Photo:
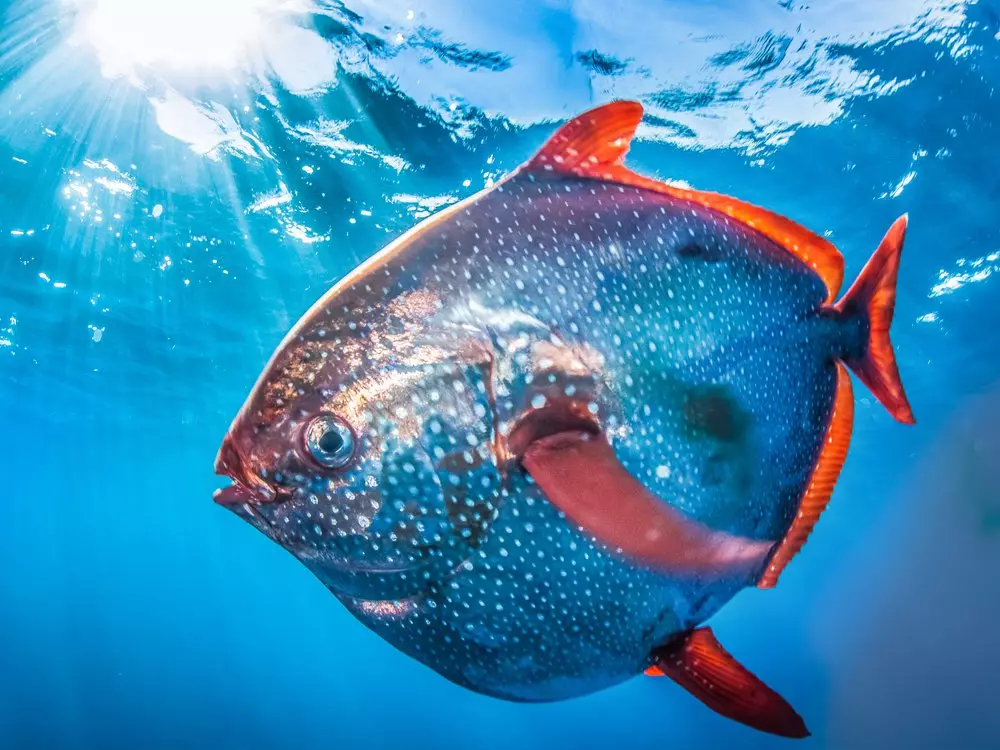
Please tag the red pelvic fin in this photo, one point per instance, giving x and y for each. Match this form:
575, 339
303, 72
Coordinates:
700, 665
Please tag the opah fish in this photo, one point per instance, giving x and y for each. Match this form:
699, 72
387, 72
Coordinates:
542, 437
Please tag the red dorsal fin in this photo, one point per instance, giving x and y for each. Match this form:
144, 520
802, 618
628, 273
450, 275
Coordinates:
825, 475
594, 145
700, 665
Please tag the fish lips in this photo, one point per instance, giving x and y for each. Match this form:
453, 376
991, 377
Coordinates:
234, 494
247, 487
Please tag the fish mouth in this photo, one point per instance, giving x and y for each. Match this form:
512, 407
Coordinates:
247, 488
234, 494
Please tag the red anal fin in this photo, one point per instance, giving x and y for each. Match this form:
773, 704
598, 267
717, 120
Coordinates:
581, 475
700, 665
594, 145
824, 478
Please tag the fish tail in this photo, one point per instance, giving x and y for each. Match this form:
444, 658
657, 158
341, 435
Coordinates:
872, 300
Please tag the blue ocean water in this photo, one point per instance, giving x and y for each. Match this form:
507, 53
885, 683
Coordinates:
181, 180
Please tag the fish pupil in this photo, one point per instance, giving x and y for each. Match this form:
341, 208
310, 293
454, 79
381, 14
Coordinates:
331, 441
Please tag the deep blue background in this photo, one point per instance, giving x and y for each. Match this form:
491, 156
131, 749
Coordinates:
136, 613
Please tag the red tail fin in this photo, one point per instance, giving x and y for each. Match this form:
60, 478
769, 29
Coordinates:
873, 296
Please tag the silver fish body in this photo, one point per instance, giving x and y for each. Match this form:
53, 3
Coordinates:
696, 345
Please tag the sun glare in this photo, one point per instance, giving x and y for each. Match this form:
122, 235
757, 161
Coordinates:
182, 35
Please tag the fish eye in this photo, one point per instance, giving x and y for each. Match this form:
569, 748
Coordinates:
330, 442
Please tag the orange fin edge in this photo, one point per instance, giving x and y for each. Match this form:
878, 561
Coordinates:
700, 665
812, 250
594, 144
821, 484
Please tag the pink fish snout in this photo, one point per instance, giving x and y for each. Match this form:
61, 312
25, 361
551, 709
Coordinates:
247, 487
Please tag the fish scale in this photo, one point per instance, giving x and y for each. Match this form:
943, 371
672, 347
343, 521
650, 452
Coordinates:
584, 410
657, 362
569, 610
595, 577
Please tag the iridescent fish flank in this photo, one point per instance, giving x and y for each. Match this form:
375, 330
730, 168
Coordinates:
537, 441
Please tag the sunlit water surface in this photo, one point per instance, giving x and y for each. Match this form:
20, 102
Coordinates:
181, 180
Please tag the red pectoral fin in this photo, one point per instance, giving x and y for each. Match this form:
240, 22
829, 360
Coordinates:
580, 474
700, 665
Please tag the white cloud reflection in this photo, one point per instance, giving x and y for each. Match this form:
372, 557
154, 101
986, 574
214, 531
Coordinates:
731, 73
719, 74
967, 272
207, 128
727, 74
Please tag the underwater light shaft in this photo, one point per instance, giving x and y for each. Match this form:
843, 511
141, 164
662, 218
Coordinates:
192, 35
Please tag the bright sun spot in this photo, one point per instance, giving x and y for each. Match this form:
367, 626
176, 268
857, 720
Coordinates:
186, 35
